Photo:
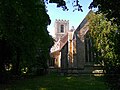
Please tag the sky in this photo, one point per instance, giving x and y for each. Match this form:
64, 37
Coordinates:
75, 18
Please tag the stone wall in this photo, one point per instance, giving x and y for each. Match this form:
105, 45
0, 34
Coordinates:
64, 56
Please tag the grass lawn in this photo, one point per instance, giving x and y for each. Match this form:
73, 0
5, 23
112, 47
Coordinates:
56, 82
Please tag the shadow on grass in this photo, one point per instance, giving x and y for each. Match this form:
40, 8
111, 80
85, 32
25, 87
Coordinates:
57, 82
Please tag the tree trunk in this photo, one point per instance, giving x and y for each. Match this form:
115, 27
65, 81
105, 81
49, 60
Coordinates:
17, 64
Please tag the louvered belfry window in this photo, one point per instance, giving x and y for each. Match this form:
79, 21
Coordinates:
62, 28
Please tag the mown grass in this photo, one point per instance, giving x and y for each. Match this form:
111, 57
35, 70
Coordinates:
55, 82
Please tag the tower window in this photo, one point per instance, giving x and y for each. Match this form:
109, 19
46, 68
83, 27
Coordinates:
62, 28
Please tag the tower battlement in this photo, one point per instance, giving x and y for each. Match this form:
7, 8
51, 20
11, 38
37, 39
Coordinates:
61, 20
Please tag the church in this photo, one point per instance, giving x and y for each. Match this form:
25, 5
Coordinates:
73, 48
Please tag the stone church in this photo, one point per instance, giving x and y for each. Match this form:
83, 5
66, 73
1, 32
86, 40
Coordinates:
72, 49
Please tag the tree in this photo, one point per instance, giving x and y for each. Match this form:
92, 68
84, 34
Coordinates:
112, 12
104, 35
23, 27
109, 8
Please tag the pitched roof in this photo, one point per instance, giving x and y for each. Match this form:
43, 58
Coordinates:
60, 44
84, 21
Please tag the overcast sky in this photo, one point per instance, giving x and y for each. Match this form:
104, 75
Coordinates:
74, 18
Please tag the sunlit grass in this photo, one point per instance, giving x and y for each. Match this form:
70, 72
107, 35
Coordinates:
56, 82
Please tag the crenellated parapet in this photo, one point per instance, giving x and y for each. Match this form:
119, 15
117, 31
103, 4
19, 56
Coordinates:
61, 20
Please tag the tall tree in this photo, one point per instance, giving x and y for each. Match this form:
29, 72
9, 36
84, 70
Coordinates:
104, 34
23, 26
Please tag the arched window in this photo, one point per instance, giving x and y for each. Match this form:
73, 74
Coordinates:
62, 28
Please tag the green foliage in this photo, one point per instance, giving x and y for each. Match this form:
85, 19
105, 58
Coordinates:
23, 26
105, 42
109, 8
102, 32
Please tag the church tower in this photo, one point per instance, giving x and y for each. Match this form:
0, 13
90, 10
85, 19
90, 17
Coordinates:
61, 28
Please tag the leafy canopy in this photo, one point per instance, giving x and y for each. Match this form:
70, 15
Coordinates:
23, 26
